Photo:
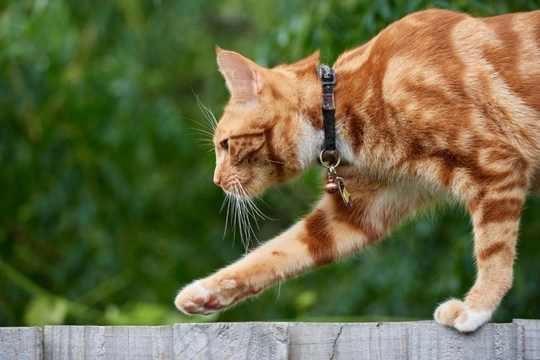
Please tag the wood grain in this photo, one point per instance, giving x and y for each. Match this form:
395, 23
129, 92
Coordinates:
21, 343
314, 341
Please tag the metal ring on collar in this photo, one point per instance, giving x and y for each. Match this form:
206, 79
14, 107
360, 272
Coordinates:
327, 164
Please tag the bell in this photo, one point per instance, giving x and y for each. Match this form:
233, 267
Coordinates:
331, 187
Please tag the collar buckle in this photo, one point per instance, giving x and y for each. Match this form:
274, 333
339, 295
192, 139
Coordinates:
326, 74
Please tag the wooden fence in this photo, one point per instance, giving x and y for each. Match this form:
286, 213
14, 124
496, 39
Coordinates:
410, 340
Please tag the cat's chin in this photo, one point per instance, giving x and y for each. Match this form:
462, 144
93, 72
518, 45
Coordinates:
243, 196
245, 192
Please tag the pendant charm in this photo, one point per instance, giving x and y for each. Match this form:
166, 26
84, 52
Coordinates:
330, 160
345, 196
331, 187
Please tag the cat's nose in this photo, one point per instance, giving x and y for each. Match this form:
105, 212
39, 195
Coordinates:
217, 181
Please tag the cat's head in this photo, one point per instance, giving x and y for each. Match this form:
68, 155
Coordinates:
258, 139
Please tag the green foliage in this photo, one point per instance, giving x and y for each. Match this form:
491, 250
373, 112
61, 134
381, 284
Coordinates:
107, 203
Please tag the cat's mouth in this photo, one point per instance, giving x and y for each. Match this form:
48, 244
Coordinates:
241, 188
245, 193
234, 193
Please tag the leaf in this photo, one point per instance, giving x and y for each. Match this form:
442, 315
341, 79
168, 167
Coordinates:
305, 300
46, 310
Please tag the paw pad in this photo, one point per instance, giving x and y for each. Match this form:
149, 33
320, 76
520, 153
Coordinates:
457, 314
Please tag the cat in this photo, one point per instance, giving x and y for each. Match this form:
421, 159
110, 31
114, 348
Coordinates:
439, 105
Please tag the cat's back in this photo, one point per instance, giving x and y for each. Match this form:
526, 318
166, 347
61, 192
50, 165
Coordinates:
449, 25
504, 48
486, 69
436, 34
444, 73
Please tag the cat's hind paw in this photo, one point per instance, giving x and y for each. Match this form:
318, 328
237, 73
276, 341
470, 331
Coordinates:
455, 313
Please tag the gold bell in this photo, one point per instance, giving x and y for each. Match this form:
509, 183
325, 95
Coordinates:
331, 186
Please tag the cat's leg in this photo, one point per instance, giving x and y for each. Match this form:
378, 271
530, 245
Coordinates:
495, 214
330, 232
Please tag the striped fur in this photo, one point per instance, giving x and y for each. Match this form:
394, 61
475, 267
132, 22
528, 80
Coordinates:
438, 105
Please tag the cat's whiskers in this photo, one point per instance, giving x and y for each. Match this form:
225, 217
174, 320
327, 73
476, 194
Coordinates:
234, 218
208, 114
227, 202
254, 210
242, 211
205, 139
206, 129
206, 132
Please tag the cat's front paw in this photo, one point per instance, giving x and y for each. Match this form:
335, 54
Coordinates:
457, 314
206, 296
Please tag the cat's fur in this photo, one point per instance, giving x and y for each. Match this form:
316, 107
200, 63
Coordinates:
438, 105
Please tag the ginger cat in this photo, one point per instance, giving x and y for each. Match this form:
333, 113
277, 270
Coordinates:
439, 105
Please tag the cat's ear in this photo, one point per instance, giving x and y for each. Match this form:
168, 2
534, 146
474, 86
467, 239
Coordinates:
243, 77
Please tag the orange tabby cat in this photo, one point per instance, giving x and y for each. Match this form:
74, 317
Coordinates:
437, 106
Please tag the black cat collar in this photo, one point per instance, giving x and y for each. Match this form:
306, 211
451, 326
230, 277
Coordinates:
329, 155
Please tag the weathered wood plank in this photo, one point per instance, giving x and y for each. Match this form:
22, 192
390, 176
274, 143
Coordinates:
313, 341
108, 342
21, 343
183, 341
231, 341
415, 340
531, 338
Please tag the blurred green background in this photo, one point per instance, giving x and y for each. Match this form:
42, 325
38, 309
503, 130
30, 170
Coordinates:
107, 205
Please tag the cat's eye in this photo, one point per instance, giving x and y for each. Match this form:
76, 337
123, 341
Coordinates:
225, 144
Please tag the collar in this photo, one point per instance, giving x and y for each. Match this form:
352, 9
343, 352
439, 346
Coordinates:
329, 155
